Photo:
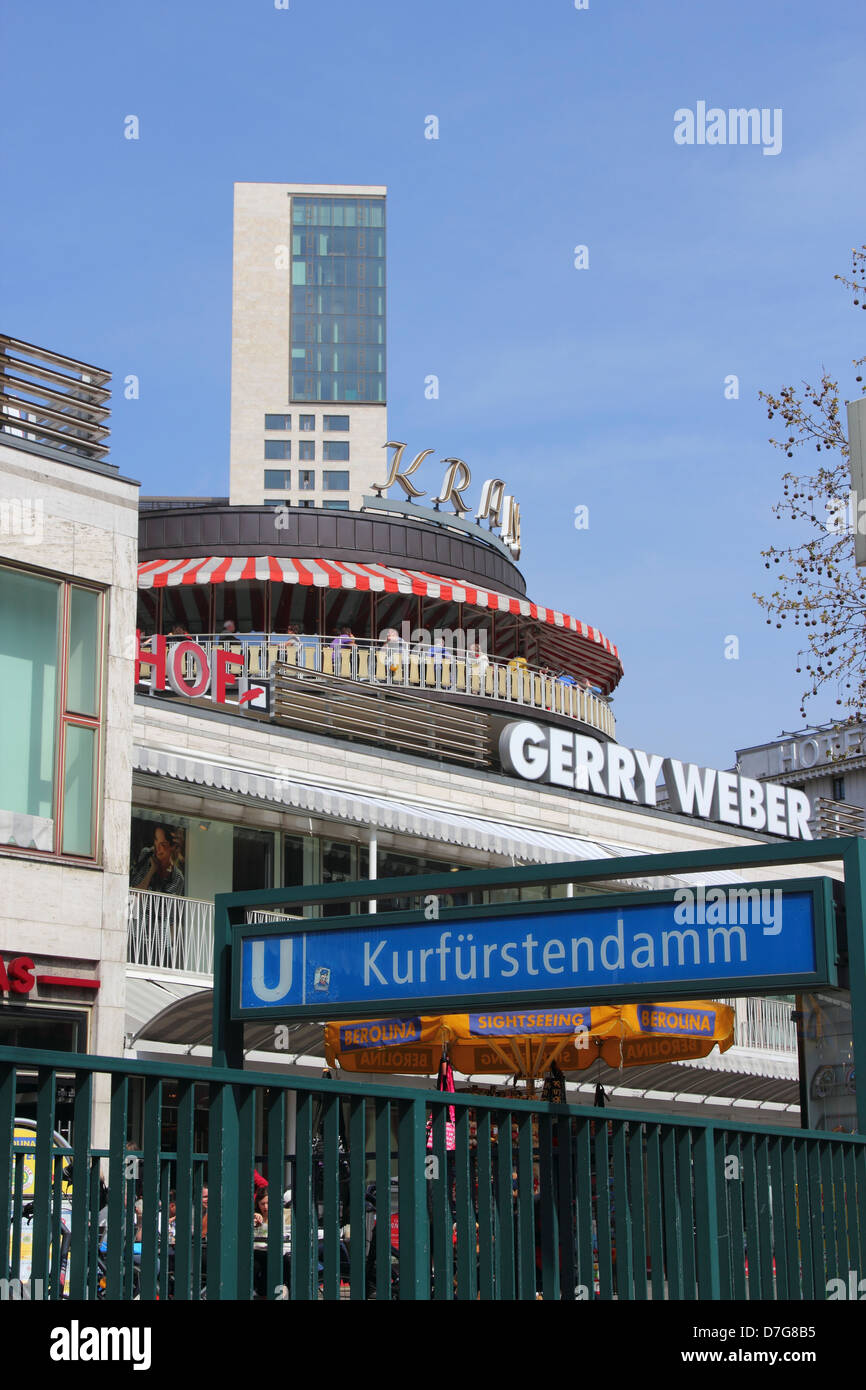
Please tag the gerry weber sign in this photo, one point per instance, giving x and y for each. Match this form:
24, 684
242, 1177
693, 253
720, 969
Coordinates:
638, 945
564, 759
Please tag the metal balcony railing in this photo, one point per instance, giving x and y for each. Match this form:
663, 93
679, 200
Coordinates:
417, 668
833, 818
53, 399
173, 933
764, 1024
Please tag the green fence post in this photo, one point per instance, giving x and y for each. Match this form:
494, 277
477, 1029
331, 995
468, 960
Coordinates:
622, 1214
707, 1221
383, 1199
330, 1136
305, 1260
412, 1197
357, 1198
224, 1190
275, 1113
505, 1217
486, 1230
184, 1224
42, 1181
82, 1218
7, 1115
116, 1186
637, 1191
150, 1186
440, 1207
526, 1271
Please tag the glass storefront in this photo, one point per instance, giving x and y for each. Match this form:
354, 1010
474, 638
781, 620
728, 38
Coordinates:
198, 858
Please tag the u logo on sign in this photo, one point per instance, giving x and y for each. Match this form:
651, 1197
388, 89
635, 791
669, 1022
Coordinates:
271, 994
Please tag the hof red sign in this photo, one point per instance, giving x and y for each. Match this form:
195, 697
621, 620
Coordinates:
188, 670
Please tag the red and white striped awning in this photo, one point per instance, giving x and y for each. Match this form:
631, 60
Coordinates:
565, 638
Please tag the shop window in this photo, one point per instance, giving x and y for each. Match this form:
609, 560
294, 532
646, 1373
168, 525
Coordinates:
296, 605
293, 861
51, 679
394, 864
342, 861
37, 1025
253, 860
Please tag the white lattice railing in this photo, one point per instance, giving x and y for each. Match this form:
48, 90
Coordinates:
764, 1024
172, 933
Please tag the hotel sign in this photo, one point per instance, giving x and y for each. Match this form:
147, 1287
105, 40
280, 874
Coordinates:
559, 758
634, 946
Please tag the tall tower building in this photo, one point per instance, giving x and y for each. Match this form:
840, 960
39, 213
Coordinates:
309, 417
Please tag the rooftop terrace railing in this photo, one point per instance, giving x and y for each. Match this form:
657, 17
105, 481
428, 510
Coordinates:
419, 669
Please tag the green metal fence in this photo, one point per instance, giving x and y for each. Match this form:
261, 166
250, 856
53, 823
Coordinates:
402, 1193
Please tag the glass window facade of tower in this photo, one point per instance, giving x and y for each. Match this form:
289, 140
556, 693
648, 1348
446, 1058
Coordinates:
338, 299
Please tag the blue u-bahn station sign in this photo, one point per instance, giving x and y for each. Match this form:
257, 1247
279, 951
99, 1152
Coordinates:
635, 946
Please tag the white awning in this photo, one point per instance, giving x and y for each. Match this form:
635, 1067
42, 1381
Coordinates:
149, 993
383, 813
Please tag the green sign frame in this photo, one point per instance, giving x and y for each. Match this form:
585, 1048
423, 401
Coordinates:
820, 890
230, 912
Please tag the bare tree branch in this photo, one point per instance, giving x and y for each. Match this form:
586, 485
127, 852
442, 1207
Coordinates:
820, 587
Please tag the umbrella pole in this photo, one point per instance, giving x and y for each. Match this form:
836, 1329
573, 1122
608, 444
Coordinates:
600, 1097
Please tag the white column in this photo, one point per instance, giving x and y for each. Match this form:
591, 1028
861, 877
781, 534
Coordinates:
373, 855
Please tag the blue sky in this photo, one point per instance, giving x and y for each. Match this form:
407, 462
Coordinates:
601, 387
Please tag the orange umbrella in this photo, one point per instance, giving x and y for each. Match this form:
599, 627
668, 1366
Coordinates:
526, 1043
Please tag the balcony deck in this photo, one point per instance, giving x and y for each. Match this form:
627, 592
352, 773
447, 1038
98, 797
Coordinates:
482, 681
